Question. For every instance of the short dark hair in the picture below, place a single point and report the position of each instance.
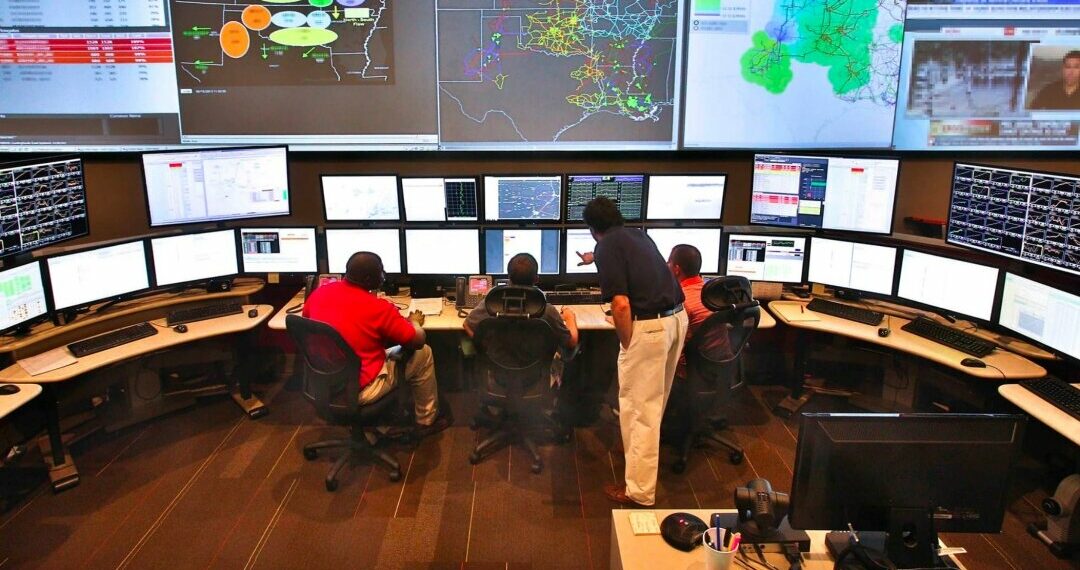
(601, 214)
(522, 269)
(687, 258)
(1074, 54)
(364, 269)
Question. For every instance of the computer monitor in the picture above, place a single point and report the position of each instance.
(436, 199)
(44, 202)
(852, 266)
(707, 240)
(626, 190)
(911, 475)
(213, 185)
(341, 244)
(823, 192)
(443, 251)
(194, 257)
(686, 197)
(947, 284)
(102, 273)
(360, 198)
(522, 197)
(777, 258)
(503, 244)
(1044, 314)
(279, 250)
(22, 292)
(1022, 214)
(578, 240)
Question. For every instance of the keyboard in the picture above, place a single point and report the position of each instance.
(949, 336)
(857, 314)
(112, 339)
(180, 316)
(1058, 392)
(573, 297)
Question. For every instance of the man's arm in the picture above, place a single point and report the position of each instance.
(416, 318)
(570, 318)
(623, 319)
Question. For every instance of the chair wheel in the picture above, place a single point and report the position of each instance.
(474, 458)
(310, 454)
(395, 475)
(537, 467)
(331, 485)
(678, 467)
(735, 457)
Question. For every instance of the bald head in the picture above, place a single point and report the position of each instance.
(365, 269)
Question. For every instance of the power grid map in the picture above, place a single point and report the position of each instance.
(556, 72)
(793, 73)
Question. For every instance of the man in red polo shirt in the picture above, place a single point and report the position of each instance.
(370, 325)
(685, 263)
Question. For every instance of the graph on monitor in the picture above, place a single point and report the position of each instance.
(41, 202)
(626, 190)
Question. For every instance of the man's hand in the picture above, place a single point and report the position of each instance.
(417, 317)
(586, 258)
(568, 315)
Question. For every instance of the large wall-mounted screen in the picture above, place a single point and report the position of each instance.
(42, 202)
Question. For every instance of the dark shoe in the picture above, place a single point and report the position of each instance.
(617, 493)
(442, 421)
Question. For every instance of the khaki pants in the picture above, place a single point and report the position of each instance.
(420, 374)
(646, 370)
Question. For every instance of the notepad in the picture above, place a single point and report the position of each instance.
(47, 361)
(794, 313)
(644, 522)
(426, 306)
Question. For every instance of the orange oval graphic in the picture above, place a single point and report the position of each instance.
(234, 40)
(256, 17)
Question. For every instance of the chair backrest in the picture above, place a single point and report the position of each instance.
(331, 367)
(719, 341)
(515, 342)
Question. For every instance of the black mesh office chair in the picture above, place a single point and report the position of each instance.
(331, 372)
(516, 347)
(712, 367)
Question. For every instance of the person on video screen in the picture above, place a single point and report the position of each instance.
(1065, 92)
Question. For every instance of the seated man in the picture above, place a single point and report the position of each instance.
(685, 263)
(370, 325)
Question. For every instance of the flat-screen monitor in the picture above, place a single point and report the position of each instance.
(502, 244)
(912, 475)
(360, 198)
(213, 185)
(706, 240)
(1044, 314)
(626, 190)
(22, 292)
(436, 199)
(822, 192)
(948, 284)
(341, 244)
(443, 251)
(194, 257)
(81, 278)
(686, 197)
(522, 197)
(279, 250)
(578, 240)
(851, 265)
(1022, 214)
(42, 202)
(775, 258)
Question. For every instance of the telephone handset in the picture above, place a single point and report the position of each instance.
(471, 290)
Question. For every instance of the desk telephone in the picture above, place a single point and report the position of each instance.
(471, 290)
(315, 281)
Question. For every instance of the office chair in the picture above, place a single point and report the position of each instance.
(516, 347)
(712, 365)
(331, 372)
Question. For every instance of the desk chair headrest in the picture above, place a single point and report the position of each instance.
(730, 295)
(516, 301)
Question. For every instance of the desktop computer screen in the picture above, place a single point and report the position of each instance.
(690, 197)
(852, 265)
(522, 197)
(278, 250)
(626, 190)
(578, 241)
(443, 252)
(341, 244)
(948, 284)
(831, 193)
(84, 277)
(1044, 314)
(439, 199)
(360, 198)
(43, 202)
(767, 258)
(22, 294)
(1023, 214)
(212, 185)
(194, 257)
(503, 244)
(707, 240)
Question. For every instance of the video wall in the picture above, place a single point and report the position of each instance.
(118, 75)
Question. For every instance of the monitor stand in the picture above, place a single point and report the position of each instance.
(911, 541)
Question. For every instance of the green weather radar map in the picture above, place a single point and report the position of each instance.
(792, 73)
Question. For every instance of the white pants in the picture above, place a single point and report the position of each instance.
(646, 370)
(419, 374)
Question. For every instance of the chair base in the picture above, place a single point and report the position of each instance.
(354, 448)
(508, 429)
(707, 439)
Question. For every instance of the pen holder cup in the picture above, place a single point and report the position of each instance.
(716, 559)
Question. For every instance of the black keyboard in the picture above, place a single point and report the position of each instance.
(857, 314)
(180, 316)
(112, 339)
(949, 336)
(573, 297)
(1058, 392)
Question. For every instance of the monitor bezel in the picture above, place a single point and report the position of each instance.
(995, 303)
(366, 221)
(894, 284)
(502, 270)
(647, 216)
(719, 246)
(1000, 303)
(186, 283)
(480, 251)
(324, 246)
(566, 198)
(725, 245)
(434, 224)
(86, 199)
(27, 324)
(559, 218)
(151, 277)
(240, 248)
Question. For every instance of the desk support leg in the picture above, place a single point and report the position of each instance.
(798, 395)
(245, 358)
(62, 471)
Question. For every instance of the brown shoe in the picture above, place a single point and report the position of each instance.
(617, 493)
(442, 421)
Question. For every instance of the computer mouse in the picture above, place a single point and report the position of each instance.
(8, 389)
(252, 313)
(180, 328)
(607, 312)
(682, 530)
(973, 363)
(884, 332)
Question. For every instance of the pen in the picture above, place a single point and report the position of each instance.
(802, 308)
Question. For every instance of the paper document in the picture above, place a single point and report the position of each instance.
(795, 312)
(644, 522)
(426, 306)
(48, 361)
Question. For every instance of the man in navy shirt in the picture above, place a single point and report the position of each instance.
(647, 309)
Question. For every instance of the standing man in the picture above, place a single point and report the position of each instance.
(647, 309)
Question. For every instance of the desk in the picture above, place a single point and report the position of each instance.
(1044, 411)
(11, 402)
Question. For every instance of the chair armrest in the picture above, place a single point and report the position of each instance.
(399, 353)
